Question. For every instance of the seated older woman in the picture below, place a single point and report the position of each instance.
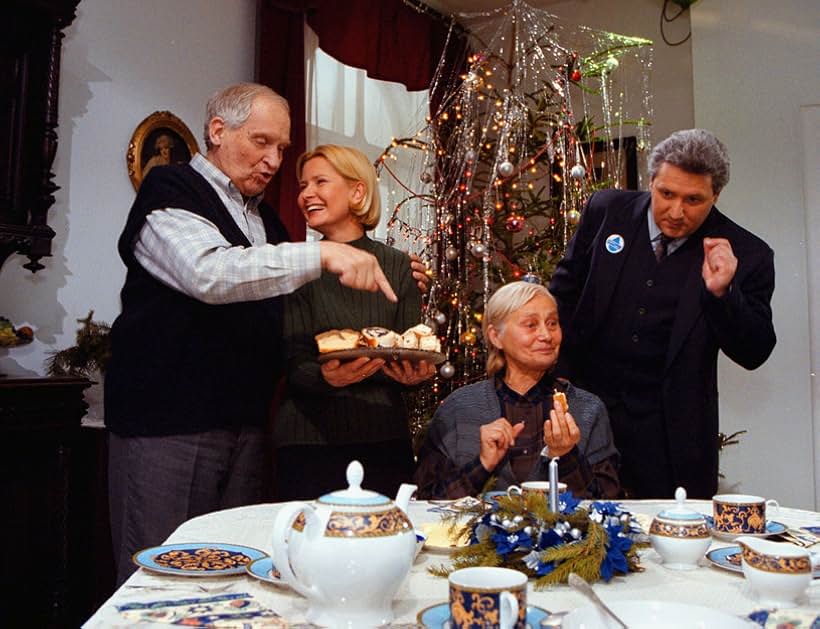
(508, 425)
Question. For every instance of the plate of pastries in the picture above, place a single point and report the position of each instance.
(414, 344)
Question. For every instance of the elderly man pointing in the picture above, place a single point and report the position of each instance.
(196, 346)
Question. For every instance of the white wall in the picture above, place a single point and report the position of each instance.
(754, 68)
(122, 60)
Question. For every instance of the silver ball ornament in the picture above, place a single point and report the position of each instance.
(451, 253)
(440, 318)
(506, 168)
(578, 172)
(573, 216)
(611, 64)
(478, 250)
(447, 370)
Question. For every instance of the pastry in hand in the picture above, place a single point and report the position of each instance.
(561, 398)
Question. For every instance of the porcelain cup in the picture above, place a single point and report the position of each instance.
(488, 598)
(741, 514)
(778, 572)
(534, 487)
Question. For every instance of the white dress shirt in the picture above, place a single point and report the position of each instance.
(188, 252)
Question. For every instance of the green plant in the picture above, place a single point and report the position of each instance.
(91, 352)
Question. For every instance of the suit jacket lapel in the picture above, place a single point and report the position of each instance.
(689, 302)
(628, 225)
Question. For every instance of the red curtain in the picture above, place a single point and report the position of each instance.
(386, 38)
(280, 65)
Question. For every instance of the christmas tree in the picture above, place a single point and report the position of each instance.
(538, 120)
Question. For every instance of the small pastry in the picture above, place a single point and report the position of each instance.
(376, 336)
(561, 398)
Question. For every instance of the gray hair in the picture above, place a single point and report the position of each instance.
(696, 151)
(501, 305)
(233, 105)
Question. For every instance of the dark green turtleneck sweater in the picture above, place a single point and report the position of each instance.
(316, 413)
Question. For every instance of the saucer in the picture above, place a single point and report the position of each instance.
(197, 559)
(772, 528)
(437, 615)
(264, 570)
(728, 558)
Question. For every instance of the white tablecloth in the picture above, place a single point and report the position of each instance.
(252, 526)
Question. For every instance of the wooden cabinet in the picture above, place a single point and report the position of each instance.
(45, 554)
(30, 51)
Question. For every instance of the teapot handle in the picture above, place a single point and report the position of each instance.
(282, 527)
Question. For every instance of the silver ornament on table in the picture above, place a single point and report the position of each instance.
(573, 216)
(451, 253)
(447, 370)
(578, 172)
(506, 168)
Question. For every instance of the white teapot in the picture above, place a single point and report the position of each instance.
(347, 553)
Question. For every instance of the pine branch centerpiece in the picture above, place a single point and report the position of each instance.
(520, 532)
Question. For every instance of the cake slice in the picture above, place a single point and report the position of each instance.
(336, 340)
(430, 343)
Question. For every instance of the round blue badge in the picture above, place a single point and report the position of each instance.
(614, 243)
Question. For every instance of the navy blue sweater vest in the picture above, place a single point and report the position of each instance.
(637, 334)
(180, 365)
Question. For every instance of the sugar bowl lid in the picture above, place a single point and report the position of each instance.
(354, 495)
(680, 513)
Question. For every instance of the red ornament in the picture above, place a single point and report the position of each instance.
(576, 75)
(514, 223)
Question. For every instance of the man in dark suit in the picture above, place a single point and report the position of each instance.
(651, 286)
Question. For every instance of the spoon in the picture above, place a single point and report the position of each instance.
(580, 585)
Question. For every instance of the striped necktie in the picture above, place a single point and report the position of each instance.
(660, 246)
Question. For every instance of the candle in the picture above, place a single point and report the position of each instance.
(554, 485)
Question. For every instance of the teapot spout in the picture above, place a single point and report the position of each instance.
(404, 494)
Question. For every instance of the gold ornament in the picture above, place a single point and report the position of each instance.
(468, 338)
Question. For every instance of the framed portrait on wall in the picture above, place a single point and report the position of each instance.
(162, 138)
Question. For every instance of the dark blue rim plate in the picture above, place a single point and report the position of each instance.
(772, 528)
(728, 558)
(147, 558)
(264, 570)
(437, 615)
